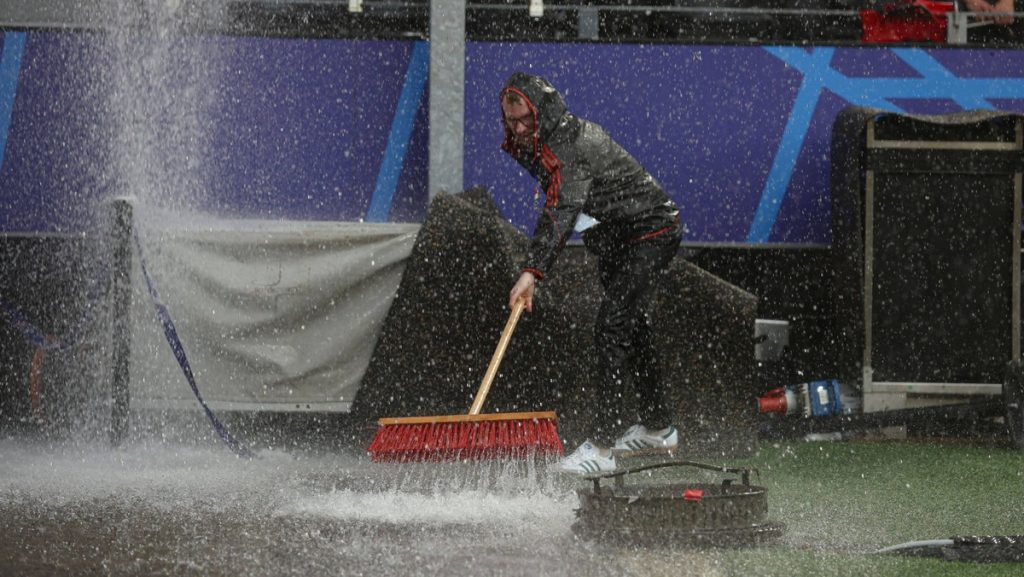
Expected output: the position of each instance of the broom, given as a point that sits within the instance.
(471, 436)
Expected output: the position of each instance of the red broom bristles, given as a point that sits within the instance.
(451, 439)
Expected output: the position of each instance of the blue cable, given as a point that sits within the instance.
(179, 353)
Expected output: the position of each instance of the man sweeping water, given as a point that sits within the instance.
(627, 221)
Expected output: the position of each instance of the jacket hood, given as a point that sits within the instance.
(544, 100)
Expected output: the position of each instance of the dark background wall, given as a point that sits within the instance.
(41, 282)
(43, 274)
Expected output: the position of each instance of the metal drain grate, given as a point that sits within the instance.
(727, 514)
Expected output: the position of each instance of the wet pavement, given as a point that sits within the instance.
(165, 509)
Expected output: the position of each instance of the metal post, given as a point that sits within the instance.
(121, 303)
(869, 265)
(956, 26)
(447, 95)
(589, 23)
(1015, 283)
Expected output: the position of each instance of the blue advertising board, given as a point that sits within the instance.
(326, 129)
(284, 128)
(738, 135)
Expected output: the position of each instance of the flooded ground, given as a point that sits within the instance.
(166, 508)
(175, 510)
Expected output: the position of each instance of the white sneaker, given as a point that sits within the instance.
(638, 441)
(588, 460)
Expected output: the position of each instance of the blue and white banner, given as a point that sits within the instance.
(322, 129)
(738, 135)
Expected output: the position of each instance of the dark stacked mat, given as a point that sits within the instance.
(452, 304)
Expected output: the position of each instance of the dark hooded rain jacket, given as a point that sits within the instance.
(582, 170)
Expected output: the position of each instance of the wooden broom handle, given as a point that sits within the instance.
(499, 353)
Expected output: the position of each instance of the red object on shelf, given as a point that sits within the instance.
(907, 21)
(694, 495)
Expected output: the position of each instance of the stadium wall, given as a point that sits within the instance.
(335, 129)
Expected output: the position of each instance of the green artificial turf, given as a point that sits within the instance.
(842, 501)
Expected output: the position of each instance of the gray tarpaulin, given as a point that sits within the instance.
(273, 316)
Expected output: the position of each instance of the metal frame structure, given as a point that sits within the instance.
(879, 394)
(960, 22)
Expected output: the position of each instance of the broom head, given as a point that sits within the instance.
(466, 437)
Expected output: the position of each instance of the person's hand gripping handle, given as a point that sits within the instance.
(523, 288)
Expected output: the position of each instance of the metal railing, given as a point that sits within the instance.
(959, 22)
(537, 20)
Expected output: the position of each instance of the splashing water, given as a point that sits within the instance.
(161, 90)
(163, 507)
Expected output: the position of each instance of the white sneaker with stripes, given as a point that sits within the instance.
(637, 440)
(588, 459)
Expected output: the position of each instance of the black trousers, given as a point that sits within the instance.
(631, 390)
